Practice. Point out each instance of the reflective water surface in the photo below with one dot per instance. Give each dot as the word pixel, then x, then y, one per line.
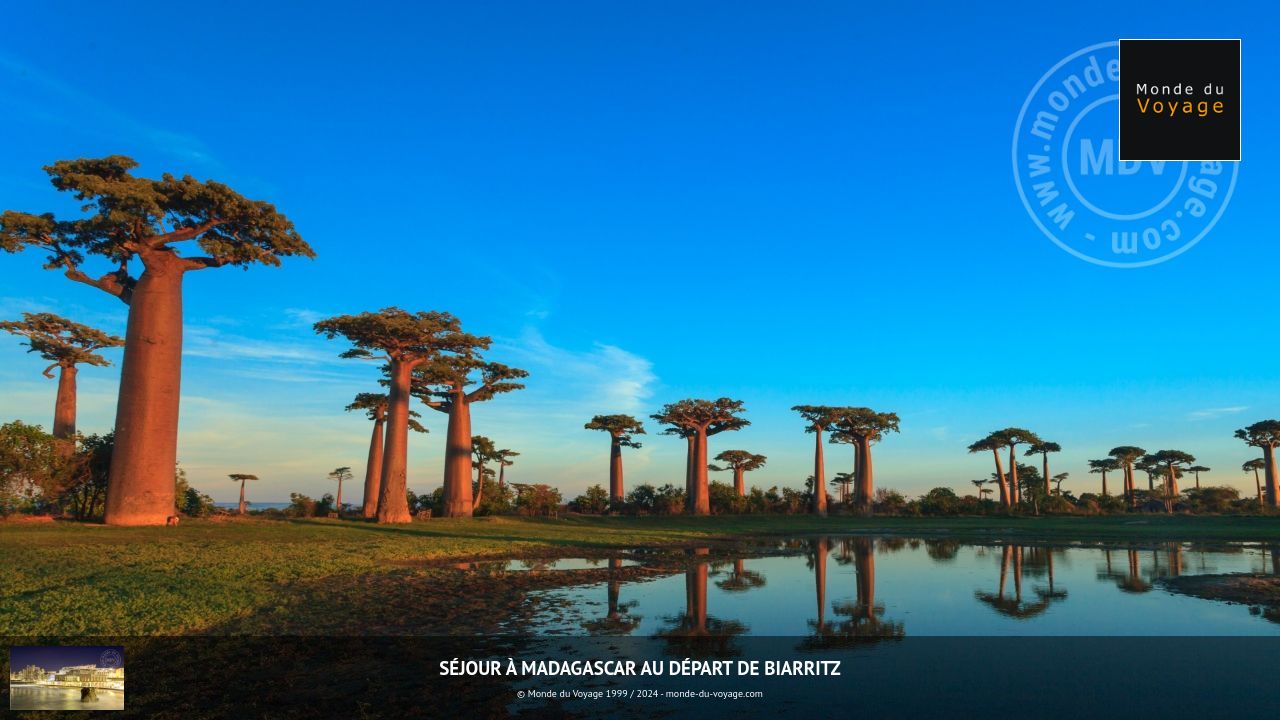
pixel 858 587
pixel 34 697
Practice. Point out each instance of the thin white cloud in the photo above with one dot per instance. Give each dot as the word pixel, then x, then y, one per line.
pixel 1213 413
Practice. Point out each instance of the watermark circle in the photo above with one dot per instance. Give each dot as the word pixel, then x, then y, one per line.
pixel 1173 204
pixel 110 658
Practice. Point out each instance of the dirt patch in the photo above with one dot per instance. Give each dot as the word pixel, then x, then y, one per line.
pixel 1260 592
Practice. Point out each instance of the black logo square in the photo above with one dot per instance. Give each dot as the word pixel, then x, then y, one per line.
pixel 1179 99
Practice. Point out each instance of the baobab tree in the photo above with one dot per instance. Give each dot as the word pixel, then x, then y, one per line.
pixel 845 481
pixel 994 443
pixel 127 220
pixel 740 462
pixel 241 478
pixel 817 419
pixel 450 378
pixel 340 475
pixel 483 452
pixel 1058 480
pixel 1043 448
pixel 1254 466
pixel 977 484
pixel 503 458
pixel 621 429
pixel 375 406
pixel 1127 456
pixel 1104 466
pixel 1265 435
pixel 1170 462
pixel 1013 437
pixel 1197 469
pixel 65 344
pixel 861 427
pixel 698 420
pixel 405 341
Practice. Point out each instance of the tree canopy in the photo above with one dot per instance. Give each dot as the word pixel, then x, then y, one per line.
pixel 446 377
pixel 127 217
pixel 1127 455
pixel 61 341
pixel 1042 447
pixel 395 335
pixel 739 460
pixel 819 417
pixel 854 423
pixel 240 477
pixel 620 427
pixel 376 403
pixel 1265 433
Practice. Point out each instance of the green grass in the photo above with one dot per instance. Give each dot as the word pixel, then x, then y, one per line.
pixel 262 576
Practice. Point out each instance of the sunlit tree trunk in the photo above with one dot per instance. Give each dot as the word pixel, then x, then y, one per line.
pixel 338 500
pixel 739 482
pixel 689 474
pixel 819 479
pixel 1273 491
pixel 1258 485
pixel 240 507
pixel 457 460
pixel 865 482
pixel 1104 483
pixel 393 503
pixel 700 501
pixel 373 469
pixel 615 470
pixel 1015 492
pixel 141 486
pixel 1004 485
pixel 64 409
pixel 1045 457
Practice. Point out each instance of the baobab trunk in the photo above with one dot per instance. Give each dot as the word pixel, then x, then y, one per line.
pixel 393 504
pixel 1173 482
pixel 863 477
pixel 64 409
pixel 502 476
pixel 373 470
pixel 700 502
pixel 740 482
pixel 689 478
pixel 457 458
pixel 615 471
pixel 240 507
pixel 1273 492
pixel 1258 484
pixel 1015 492
pixel 479 487
pixel 1104 484
pixel 1046 473
pixel 1004 485
pixel 864 567
pixel 140 490
pixel 819 482
pixel 338 500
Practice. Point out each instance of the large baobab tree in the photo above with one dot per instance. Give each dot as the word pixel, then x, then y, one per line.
pixel 621 429
pixel 1170 463
pixel 1013 437
pixel 450 378
pixel 698 420
pixel 128 220
pixel 817 419
pixel 375 406
pixel 66 344
pixel 1104 466
pixel 740 462
pixel 1254 466
pixel 1043 448
pixel 241 478
pixel 1197 469
pixel 1265 435
pixel 993 443
pixel 405 341
pixel 861 427
pixel 1128 456
pixel 340 475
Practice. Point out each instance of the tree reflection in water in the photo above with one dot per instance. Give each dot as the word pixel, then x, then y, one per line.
pixel 695 632
pixel 860 621
pixel 618 620
pixel 1012 605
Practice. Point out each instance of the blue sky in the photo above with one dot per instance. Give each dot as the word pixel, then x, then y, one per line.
pixel 641 204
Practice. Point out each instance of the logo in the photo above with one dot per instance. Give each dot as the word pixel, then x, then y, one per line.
pixel 1107 211
pixel 110 658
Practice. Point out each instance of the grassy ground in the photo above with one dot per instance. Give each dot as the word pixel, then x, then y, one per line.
pixel 349 577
